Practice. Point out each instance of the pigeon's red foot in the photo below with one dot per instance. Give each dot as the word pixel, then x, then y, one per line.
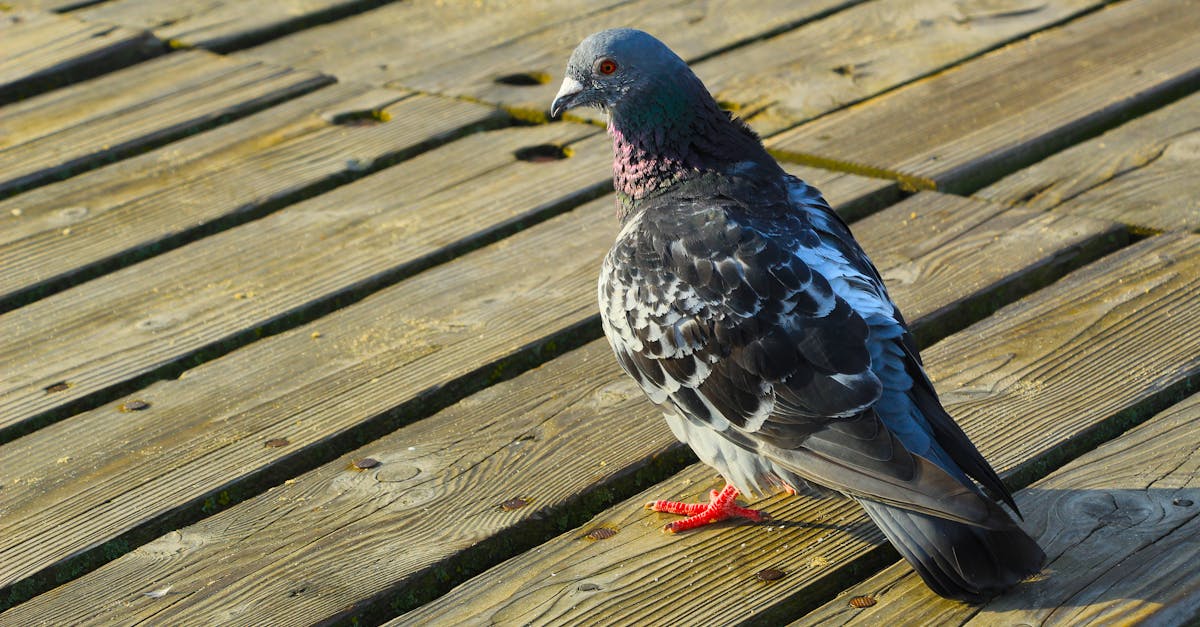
pixel 721 506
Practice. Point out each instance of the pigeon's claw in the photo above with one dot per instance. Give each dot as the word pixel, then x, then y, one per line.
pixel 721 506
pixel 675 507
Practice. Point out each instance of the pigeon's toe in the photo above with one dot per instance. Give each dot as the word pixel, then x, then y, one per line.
pixel 721 506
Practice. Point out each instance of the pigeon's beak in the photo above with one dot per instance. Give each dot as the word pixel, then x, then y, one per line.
pixel 565 99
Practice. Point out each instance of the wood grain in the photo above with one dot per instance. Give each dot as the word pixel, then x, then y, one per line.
pixel 950 262
pixel 132 321
pixel 1119 526
pixel 478 45
pixel 692 30
pixel 866 50
pixel 51 135
pixel 308 385
pixel 438 490
pixel 392 42
pixel 304 390
pixel 971 124
pixel 1141 173
pixel 1044 371
pixel 47 5
pixel 55 232
pixel 40 49
pixel 858 51
pixel 218 24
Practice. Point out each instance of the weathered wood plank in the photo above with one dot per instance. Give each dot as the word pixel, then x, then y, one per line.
pixel 1042 373
pixel 438 486
pixel 563 423
pixel 50 235
pixel 394 41
pixel 1142 173
pixel 857 52
pixel 220 24
pixel 130 322
pixel 478 46
pixel 397 347
pixel 48 5
pixel 867 50
pixel 1119 525
pixel 37 49
pixel 977 121
pixel 950 263
pixel 693 30
pixel 165 98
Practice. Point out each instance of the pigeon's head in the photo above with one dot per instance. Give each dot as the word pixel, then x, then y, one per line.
pixel 609 66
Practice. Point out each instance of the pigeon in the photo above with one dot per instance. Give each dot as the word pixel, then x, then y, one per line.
pixel 742 305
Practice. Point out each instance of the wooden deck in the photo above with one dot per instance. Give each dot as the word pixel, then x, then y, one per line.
pixel 298 320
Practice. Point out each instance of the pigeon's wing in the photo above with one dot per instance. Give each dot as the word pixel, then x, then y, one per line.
pixel 723 320
pixel 949 436
pixel 901 355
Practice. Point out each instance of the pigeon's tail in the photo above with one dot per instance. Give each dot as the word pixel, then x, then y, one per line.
pixel 957 560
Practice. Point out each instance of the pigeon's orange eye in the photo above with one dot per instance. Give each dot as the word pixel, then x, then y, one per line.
pixel 606 66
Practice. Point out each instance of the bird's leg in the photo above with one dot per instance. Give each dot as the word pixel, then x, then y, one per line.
pixel 721 506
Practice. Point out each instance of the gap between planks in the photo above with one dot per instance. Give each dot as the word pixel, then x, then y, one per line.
pixel 57 6
pixel 227 26
pixel 133 110
pixel 795 72
pixel 45 51
pixel 60 235
pixel 157 317
pixel 1141 173
pixel 1062 86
